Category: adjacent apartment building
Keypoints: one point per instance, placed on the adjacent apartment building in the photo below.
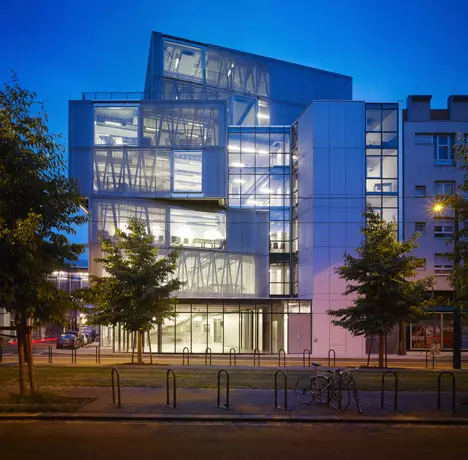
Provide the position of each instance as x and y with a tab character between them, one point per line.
259	169
430	173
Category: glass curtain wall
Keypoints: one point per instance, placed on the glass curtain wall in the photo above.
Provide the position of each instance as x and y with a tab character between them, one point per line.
242	326
260	178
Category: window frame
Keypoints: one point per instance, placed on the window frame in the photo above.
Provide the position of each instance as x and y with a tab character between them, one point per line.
186	152
421	232
443	184
438	145
421	188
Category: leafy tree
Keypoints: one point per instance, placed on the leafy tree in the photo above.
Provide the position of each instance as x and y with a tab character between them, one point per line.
137	291
380	278
39	207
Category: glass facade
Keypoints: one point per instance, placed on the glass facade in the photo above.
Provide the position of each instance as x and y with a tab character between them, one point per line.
382	159
116	125
221	326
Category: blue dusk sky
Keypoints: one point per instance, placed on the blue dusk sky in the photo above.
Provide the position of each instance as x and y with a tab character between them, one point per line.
393	48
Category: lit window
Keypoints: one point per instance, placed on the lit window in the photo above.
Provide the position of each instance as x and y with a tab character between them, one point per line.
443	230
443	147
420	227
116	126
188	171
420	190
444	188
184	61
442	264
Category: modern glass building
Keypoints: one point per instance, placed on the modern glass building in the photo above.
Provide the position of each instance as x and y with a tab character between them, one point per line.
259	169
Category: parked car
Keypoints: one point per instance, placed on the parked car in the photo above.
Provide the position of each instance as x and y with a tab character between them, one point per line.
68	341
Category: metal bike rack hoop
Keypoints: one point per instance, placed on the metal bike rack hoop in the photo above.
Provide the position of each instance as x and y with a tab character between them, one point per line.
185	354
303	357
395	389
439	377
232	352
174	389
281	350
116	372
285	407
256	357
433	358
227	405
207	353
98	355
329	357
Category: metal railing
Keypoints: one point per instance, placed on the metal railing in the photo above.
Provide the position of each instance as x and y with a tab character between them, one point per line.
256	357
207	353
112	95
395	389
285	407
98	355
184	355
439	377
73	356
116	372
279	357
433	358
49	355
304	357
218	403
232	352
329	357
174	389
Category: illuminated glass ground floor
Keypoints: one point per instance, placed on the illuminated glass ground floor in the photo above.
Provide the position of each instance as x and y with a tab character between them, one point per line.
244	325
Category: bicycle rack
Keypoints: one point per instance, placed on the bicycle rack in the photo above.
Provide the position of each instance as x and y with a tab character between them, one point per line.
329	357
174	388
227	405
232	352
433	358
185	354
453	388
98	355
304	357
395	403
1	354
256	357
279	357
116	372
73	355
285	407
207	353
49	354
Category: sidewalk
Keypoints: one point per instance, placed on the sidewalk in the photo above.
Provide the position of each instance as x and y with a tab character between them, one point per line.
255	405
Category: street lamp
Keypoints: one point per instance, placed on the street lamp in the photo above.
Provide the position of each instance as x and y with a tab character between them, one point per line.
457	330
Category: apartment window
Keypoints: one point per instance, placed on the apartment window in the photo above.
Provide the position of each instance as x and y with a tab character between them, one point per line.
188	171
420	190
443	147
442	264
443	230
444	188
420	227
423	264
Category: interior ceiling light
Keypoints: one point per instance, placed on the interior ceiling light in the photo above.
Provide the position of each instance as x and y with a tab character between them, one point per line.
263	116
113	123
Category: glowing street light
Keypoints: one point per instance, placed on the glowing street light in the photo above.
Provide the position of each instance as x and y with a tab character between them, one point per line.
438	207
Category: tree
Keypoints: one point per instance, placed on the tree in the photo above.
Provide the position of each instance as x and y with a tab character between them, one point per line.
380	278
39	208
137	291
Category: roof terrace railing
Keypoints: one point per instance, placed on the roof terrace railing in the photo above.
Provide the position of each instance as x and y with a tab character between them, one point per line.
113	96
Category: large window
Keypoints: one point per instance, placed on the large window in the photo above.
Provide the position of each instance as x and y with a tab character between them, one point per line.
443	147
116	125
187	171
444	188
183	61
198	229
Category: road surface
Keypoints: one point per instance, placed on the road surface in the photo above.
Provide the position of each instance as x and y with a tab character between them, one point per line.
127	440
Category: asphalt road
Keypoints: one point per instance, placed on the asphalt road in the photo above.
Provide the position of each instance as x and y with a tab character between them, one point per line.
122	440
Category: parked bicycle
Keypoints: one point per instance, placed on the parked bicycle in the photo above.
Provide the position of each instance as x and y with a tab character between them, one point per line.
332	387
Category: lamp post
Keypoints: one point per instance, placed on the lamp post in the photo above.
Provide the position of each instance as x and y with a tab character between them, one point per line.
457	330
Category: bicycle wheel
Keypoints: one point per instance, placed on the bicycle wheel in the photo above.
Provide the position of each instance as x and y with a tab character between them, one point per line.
344	396
320	386
304	390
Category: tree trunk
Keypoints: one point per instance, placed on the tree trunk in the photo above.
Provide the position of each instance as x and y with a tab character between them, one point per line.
20	340
381	350
133	345
32	375
370	349
149	344
402	341
140	347
386	352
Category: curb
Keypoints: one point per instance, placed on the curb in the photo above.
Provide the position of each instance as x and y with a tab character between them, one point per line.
293	419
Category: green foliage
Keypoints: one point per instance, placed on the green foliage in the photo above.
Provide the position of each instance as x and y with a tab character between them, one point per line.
39	207
380	278
137	292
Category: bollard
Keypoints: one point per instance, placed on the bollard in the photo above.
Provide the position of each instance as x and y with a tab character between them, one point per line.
227	405
329	357
173	406
433	358
207	353
256	356
73	356
184	354
453	388
279	357
303	357
285	407
116	372
98	355
232	352
395	403
50	354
